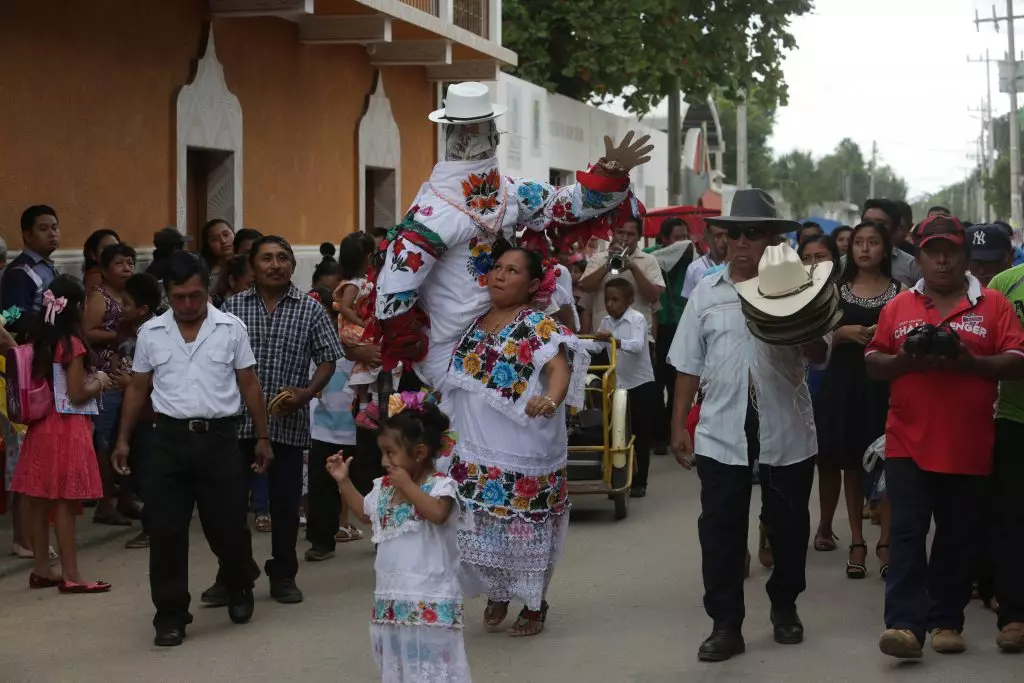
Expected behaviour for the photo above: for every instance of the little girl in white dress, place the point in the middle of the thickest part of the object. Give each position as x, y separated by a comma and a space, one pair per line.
417, 621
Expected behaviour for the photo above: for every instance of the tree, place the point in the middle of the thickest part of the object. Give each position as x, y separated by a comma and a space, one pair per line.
794, 176
760, 125
643, 50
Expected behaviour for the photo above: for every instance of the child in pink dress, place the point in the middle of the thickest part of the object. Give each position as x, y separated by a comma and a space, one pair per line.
57, 467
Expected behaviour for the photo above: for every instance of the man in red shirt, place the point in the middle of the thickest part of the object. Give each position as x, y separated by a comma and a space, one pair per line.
939, 435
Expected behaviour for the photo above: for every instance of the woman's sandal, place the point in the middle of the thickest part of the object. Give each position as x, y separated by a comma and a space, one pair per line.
883, 569
348, 533
530, 622
91, 587
495, 614
854, 570
824, 544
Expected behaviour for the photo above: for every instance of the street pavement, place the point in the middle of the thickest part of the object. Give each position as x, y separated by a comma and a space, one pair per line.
625, 607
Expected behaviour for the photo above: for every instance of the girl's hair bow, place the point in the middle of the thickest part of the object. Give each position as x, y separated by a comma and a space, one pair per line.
53, 305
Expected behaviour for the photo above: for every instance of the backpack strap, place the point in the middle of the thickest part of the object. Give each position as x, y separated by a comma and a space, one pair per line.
33, 275
1014, 286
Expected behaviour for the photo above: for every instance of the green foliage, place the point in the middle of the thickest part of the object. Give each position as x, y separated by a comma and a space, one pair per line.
805, 182
640, 50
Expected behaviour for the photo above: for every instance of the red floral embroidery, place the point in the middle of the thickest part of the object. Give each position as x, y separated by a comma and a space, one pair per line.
414, 260
428, 615
427, 211
527, 487
524, 352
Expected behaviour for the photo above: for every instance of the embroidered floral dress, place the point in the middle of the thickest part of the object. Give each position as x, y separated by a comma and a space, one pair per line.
510, 468
433, 278
416, 628
352, 334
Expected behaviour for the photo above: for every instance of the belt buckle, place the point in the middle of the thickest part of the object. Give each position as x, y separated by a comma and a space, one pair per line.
199, 426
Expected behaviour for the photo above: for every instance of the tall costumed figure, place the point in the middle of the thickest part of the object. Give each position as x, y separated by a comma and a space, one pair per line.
431, 272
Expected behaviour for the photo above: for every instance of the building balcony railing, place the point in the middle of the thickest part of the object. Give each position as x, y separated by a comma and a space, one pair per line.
471, 15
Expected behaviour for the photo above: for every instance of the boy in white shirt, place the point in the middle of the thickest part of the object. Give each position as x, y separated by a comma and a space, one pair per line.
626, 327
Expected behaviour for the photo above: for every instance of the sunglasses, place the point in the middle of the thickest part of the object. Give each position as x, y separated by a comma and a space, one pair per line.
753, 233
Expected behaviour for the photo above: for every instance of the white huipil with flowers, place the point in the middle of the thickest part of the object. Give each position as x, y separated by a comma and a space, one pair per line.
439, 256
417, 621
510, 468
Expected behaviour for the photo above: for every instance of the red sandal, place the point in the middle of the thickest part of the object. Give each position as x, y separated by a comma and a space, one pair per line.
92, 587
36, 581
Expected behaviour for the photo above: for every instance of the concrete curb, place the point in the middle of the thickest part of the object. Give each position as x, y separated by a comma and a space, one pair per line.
97, 535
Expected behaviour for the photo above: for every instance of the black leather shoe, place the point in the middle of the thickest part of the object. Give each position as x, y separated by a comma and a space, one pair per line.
215, 596
285, 591
638, 492
788, 629
721, 645
171, 635
240, 606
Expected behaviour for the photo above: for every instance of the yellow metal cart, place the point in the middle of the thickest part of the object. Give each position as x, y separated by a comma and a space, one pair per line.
601, 452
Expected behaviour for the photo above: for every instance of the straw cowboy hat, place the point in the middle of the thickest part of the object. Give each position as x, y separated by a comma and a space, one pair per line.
753, 206
784, 286
465, 103
800, 329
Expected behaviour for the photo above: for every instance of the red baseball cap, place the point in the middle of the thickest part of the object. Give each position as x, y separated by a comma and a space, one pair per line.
940, 227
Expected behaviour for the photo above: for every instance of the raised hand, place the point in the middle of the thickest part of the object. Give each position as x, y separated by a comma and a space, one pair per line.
629, 153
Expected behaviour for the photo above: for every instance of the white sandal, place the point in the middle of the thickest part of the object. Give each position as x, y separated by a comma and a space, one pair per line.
348, 533
18, 550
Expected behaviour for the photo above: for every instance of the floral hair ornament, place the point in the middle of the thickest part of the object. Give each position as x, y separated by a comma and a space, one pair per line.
9, 316
542, 297
415, 401
54, 306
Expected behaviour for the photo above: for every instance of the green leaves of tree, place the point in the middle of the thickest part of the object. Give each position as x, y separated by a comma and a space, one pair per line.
595, 50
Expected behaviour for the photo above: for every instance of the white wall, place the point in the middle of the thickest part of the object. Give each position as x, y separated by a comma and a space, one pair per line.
544, 131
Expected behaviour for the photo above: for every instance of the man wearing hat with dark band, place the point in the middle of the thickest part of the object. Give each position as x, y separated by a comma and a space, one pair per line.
990, 251
756, 407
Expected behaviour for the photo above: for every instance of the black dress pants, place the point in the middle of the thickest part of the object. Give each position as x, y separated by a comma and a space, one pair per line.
188, 467
723, 527
665, 377
1005, 522
644, 408
324, 497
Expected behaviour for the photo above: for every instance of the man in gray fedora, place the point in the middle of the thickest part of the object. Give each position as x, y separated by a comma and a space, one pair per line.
756, 408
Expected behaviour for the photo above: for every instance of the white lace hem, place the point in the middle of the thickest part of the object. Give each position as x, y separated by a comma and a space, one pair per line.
470, 452
417, 654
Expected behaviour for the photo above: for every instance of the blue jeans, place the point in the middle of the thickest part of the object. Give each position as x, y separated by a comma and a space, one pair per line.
260, 493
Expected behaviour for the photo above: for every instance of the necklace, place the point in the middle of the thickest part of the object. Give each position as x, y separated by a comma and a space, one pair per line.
494, 329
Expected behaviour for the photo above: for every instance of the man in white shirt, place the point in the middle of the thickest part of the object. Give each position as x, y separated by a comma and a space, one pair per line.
625, 327
756, 407
717, 243
642, 271
197, 364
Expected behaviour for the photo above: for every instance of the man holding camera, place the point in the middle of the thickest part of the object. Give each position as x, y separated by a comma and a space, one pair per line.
943, 345
639, 268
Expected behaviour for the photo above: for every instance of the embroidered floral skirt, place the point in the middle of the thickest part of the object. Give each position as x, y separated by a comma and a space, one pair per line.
419, 654
518, 529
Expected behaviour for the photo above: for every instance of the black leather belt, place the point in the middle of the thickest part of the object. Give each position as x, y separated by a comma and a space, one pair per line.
198, 425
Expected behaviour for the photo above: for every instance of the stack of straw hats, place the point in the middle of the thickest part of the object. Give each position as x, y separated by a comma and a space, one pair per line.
788, 303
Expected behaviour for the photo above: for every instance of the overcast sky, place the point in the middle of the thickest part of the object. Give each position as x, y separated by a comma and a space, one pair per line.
894, 71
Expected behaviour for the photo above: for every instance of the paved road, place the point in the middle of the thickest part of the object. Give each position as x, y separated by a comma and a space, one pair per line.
626, 607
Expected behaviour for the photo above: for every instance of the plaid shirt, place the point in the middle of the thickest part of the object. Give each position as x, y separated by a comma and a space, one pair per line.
285, 343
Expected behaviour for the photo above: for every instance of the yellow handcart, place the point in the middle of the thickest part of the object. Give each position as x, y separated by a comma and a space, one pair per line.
601, 451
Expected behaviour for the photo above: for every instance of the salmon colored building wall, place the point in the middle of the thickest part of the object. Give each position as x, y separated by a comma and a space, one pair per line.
87, 117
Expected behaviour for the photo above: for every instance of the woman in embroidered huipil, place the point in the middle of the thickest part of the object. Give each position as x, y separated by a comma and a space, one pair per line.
506, 387
431, 272
416, 627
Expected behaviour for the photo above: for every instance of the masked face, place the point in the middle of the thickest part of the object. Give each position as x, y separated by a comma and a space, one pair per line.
471, 141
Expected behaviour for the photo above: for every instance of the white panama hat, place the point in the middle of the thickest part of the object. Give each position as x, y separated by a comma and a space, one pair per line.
468, 102
784, 286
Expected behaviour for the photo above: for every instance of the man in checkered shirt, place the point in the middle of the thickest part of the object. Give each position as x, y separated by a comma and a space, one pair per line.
289, 332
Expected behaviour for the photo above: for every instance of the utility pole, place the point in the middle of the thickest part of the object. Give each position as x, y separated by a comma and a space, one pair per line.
987, 150
742, 180
1015, 206
871, 168
675, 146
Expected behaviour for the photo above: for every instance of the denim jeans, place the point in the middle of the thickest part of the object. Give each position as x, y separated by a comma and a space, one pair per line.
260, 493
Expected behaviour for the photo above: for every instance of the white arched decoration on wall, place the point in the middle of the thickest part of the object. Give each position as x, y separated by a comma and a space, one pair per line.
209, 118
380, 149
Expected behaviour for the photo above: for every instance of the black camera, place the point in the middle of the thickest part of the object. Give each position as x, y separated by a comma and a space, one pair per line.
931, 340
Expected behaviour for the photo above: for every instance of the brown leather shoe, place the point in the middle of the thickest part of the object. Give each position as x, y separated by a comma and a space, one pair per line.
1011, 638
900, 643
948, 641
